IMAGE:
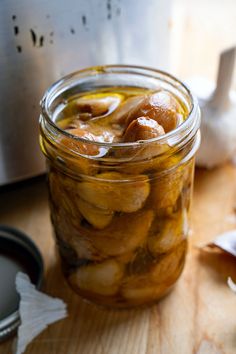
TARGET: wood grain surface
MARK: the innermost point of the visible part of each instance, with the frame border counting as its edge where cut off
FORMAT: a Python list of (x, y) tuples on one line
[(198, 317)]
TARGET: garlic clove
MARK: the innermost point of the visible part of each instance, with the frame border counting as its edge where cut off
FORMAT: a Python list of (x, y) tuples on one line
[(37, 311)]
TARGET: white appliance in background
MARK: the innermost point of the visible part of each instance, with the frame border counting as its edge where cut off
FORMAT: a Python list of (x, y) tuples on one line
[(41, 41)]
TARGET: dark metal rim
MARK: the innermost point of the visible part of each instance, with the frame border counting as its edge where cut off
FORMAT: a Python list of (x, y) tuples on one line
[(9, 325)]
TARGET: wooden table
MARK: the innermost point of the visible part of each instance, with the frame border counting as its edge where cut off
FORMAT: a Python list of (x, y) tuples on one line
[(199, 316)]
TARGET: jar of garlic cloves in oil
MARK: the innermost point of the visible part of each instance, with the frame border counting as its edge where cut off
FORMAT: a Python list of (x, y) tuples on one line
[(120, 144)]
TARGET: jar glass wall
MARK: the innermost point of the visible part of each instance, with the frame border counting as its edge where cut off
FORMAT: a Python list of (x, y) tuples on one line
[(120, 210)]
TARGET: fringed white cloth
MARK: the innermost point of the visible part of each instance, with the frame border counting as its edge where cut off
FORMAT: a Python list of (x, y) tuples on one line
[(37, 311)]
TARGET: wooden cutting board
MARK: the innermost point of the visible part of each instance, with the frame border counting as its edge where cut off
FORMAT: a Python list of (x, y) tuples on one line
[(199, 316)]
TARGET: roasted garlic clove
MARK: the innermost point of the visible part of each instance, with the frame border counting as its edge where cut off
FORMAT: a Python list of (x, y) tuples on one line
[(60, 196), (169, 267), (123, 235), (142, 128), (119, 116), (171, 231), (101, 278), (97, 217), (157, 280), (141, 262), (66, 216), (115, 191), (120, 238), (78, 155), (70, 233), (81, 147), (140, 289), (166, 189), (186, 195), (97, 106), (161, 106)]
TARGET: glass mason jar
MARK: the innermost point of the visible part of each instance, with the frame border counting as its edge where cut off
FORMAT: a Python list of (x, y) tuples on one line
[(120, 210)]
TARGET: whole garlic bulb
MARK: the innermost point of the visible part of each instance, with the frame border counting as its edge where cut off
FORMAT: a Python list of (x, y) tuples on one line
[(218, 109), (218, 132)]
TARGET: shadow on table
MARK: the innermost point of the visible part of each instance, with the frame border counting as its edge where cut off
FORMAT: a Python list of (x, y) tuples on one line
[(222, 265)]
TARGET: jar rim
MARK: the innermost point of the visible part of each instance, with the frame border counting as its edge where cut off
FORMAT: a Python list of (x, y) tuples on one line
[(191, 123)]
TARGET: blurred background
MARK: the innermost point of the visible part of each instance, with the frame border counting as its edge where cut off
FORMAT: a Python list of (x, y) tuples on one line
[(200, 30), (41, 41)]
